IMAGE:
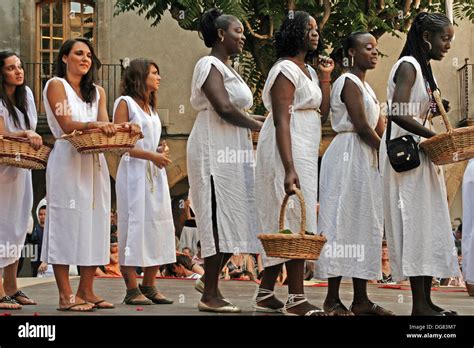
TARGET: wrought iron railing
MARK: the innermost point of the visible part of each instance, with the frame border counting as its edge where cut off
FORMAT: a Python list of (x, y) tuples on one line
[(466, 91)]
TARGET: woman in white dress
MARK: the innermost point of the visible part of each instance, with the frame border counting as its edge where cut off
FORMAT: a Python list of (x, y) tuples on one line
[(77, 229), (417, 222), (288, 149), (350, 212), (145, 220), (220, 156), (17, 118), (468, 227)]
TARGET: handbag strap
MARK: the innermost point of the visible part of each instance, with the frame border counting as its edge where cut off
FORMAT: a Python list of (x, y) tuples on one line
[(389, 121)]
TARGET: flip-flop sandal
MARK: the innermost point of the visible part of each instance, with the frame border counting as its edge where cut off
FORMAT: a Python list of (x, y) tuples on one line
[(70, 308), (96, 305), (9, 300), (337, 308), (20, 293)]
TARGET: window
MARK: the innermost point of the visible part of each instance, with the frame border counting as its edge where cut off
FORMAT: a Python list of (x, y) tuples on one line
[(58, 21)]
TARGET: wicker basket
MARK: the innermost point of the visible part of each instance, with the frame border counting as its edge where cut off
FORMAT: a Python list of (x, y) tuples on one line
[(453, 146), (255, 136), (17, 152), (296, 245), (96, 141)]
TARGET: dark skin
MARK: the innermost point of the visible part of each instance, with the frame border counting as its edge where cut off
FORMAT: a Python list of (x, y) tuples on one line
[(365, 58), (406, 75), (282, 95), (229, 43), (404, 79)]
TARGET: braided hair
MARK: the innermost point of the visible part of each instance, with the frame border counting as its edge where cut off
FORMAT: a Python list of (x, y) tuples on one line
[(424, 21)]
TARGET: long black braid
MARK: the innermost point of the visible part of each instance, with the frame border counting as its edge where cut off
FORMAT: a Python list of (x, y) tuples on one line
[(424, 21)]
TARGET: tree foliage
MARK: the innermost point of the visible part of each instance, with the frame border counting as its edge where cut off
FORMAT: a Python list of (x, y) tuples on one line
[(261, 19)]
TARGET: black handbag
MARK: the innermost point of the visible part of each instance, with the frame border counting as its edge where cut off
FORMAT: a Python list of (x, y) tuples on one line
[(402, 152)]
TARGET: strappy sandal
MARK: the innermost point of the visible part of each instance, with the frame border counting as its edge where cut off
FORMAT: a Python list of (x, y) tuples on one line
[(266, 295), (337, 308), (73, 308), (9, 300), (374, 310), (290, 303), (130, 298), (20, 293), (150, 293)]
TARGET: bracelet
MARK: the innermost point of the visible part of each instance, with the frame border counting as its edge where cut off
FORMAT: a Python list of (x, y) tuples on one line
[(324, 80)]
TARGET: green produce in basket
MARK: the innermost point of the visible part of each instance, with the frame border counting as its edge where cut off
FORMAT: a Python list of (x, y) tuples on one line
[(289, 232)]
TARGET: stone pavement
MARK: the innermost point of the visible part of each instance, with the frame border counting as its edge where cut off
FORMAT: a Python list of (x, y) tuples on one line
[(182, 291)]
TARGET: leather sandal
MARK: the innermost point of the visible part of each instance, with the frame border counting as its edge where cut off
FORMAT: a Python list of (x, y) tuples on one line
[(150, 293), (130, 298), (9, 300), (228, 308), (19, 294), (337, 309)]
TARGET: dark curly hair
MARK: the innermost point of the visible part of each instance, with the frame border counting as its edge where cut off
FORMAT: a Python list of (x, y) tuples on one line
[(87, 81), (290, 39), (212, 20)]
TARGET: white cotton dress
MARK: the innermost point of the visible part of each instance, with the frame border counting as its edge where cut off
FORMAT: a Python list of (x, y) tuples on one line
[(350, 194), (305, 131), (16, 191), (145, 220), (77, 228), (224, 152), (468, 223), (417, 221)]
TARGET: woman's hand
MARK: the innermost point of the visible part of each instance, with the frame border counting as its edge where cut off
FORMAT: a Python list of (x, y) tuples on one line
[(35, 139), (108, 128), (160, 160), (42, 268), (325, 66), (164, 148), (133, 127), (291, 181), (257, 126)]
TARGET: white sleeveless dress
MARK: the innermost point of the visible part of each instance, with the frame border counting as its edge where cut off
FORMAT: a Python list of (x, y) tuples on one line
[(468, 223), (77, 228), (17, 191), (145, 220), (305, 130), (224, 152), (350, 194), (417, 221)]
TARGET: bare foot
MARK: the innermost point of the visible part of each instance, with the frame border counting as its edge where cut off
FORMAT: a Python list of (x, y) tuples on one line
[(75, 303), (6, 302), (95, 300)]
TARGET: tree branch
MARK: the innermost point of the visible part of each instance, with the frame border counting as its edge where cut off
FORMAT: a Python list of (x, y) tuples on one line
[(257, 35), (327, 13)]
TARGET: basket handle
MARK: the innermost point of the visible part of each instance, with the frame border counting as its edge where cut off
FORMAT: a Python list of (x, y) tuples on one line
[(303, 211), (439, 103)]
